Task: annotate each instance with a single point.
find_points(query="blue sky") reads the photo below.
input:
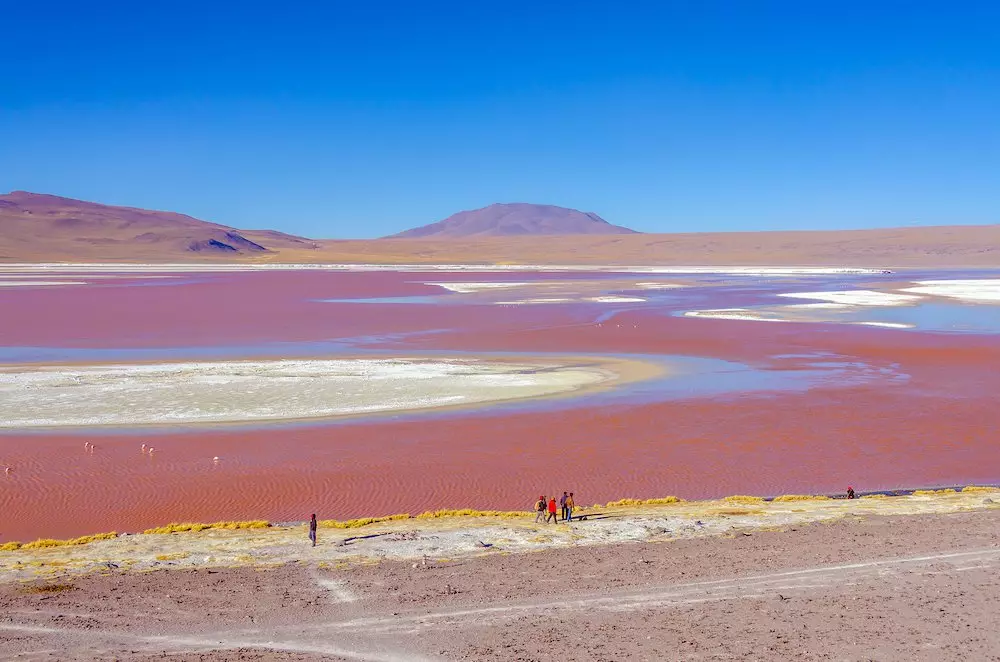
(356, 119)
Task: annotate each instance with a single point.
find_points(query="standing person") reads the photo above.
(312, 529)
(552, 511)
(850, 492)
(562, 504)
(570, 505)
(540, 509)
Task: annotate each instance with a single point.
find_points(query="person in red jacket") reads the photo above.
(553, 513)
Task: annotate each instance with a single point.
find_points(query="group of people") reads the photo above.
(547, 509)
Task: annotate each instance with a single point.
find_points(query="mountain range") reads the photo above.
(40, 228)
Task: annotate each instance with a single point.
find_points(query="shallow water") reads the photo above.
(744, 407)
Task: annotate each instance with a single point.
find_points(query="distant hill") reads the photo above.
(42, 228)
(38, 226)
(515, 219)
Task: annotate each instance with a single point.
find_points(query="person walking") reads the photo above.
(553, 515)
(540, 509)
(570, 505)
(312, 529)
(562, 504)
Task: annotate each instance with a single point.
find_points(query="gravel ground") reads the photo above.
(876, 588)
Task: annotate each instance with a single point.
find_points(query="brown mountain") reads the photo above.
(515, 219)
(37, 226)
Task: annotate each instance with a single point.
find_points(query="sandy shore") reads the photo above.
(889, 579)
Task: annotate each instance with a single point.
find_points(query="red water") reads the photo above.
(938, 428)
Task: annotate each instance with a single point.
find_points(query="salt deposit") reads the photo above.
(857, 297)
(39, 283)
(232, 391)
(887, 325)
(615, 299)
(733, 314)
(983, 290)
(521, 302)
(467, 288)
(658, 286)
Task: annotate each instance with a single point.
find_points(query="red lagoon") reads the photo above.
(935, 427)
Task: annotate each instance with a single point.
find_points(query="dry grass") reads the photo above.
(185, 527)
(359, 522)
(659, 501)
(45, 543)
(742, 498)
(735, 511)
(249, 524)
(933, 492)
(430, 514)
(875, 496)
(468, 512)
(800, 497)
(177, 556)
(978, 488)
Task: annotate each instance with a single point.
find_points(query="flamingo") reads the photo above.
(7, 470)
(144, 448)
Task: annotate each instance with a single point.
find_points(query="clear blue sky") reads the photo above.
(358, 119)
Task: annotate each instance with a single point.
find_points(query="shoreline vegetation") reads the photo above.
(671, 507)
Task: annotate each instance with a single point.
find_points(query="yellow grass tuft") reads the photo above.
(742, 498)
(177, 556)
(249, 524)
(623, 502)
(978, 488)
(184, 527)
(10, 547)
(361, 521)
(659, 501)
(875, 496)
(662, 501)
(801, 497)
(44, 543)
(176, 527)
(468, 512)
(933, 492)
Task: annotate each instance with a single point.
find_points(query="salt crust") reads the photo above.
(237, 391)
(982, 290)
(857, 297)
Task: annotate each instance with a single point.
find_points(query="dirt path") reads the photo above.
(886, 588)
